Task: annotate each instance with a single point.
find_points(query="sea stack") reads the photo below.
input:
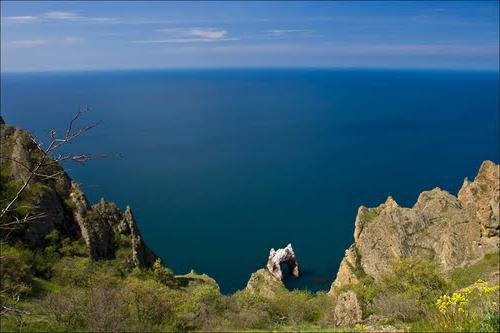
(276, 258)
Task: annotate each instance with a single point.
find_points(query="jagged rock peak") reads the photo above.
(389, 203)
(483, 195)
(143, 257)
(95, 229)
(454, 232)
(286, 256)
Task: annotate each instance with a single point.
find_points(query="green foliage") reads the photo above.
(73, 271)
(366, 291)
(71, 248)
(415, 278)
(66, 307)
(151, 302)
(108, 295)
(15, 272)
(472, 309)
(162, 274)
(463, 277)
(406, 292)
(204, 302)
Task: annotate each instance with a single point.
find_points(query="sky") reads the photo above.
(99, 35)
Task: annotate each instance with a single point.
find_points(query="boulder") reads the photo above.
(347, 310)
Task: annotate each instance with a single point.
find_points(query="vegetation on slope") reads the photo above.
(61, 289)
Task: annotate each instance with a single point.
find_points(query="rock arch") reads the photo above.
(277, 257)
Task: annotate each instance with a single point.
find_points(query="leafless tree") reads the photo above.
(50, 154)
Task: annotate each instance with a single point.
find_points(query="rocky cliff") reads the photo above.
(60, 205)
(452, 231)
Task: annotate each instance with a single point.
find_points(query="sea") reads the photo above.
(221, 165)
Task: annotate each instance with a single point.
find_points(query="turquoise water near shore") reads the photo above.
(221, 165)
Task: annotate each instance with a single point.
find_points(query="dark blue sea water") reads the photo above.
(221, 165)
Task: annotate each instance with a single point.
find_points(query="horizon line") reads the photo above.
(192, 68)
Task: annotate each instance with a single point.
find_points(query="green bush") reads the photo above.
(416, 279)
(151, 303)
(71, 248)
(15, 272)
(107, 309)
(406, 292)
(162, 274)
(74, 271)
(67, 307)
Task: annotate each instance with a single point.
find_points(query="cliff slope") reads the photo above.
(452, 231)
(60, 205)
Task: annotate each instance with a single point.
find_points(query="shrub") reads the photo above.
(397, 307)
(73, 248)
(199, 307)
(67, 307)
(415, 278)
(73, 271)
(471, 309)
(15, 273)
(295, 307)
(162, 274)
(107, 309)
(150, 302)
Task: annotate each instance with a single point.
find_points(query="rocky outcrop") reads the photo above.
(43, 198)
(482, 196)
(62, 205)
(265, 284)
(454, 232)
(95, 229)
(282, 256)
(100, 223)
(347, 311)
(143, 257)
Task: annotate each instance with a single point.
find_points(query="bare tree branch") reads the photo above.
(48, 157)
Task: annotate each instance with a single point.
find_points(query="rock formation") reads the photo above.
(63, 205)
(348, 310)
(96, 232)
(100, 223)
(482, 196)
(454, 232)
(143, 257)
(45, 196)
(282, 256)
(265, 284)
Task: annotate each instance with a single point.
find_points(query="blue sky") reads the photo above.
(40, 36)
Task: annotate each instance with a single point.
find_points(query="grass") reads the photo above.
(463, 277)
(41, 286)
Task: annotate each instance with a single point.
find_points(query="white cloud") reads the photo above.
(282, 32)
(61, 16)
(19, 19)
(183, 40)
(55, 16)
(190, 35)
(208, 33)
(27, 43)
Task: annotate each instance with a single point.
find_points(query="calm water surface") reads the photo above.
(221, 165)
